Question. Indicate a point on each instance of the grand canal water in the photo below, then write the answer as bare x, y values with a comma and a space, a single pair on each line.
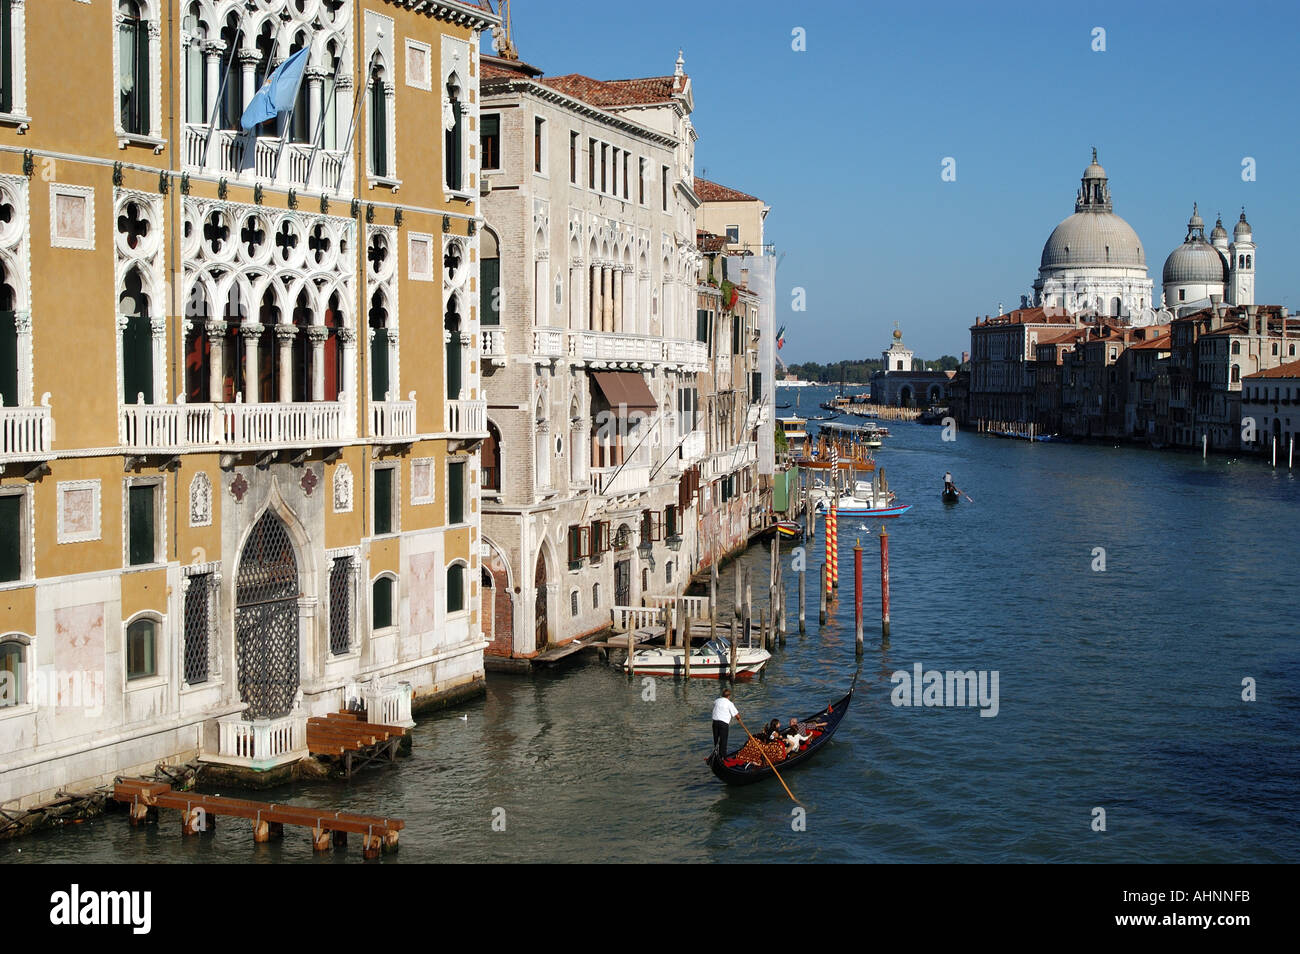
1118, 689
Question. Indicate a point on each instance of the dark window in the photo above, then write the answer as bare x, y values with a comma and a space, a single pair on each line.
573, 157
651, 526
625, 169
670, 520
381, 603
383, 520
455, 588
664, 177
142, 518
11, 536
6, 58
13, 690
379, 127
137, 342
591, 163
640, 187
701, 325
755, 386
538, 127
733, 234
454, 143
737, 334
198, 606
595, 596
140, 643
133, 79
604, 167
490, 136
573, 603
456, 493
489, 307
340, 605
578, 540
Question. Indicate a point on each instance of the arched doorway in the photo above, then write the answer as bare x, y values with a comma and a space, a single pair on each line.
540, 626
266, 621
905, 396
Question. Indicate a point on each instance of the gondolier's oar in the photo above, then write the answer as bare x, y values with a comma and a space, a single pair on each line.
763, 752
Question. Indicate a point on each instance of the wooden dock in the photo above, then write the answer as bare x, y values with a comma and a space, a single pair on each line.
344, 736
199, 813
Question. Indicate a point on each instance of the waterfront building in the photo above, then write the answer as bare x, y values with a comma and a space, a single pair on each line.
735, 216
591, 349
899, 384
1271, 400
1143, 409
1003, 352
240, 387
1093, 260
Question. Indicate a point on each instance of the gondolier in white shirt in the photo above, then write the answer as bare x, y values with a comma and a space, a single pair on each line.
724, 710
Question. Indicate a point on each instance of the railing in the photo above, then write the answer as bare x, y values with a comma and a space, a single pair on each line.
629, 618
466, 417
171, 427
392, 419
628, 479
548, 342
264, 743
697, 607
616, 346
25, 430
390, 705
302, 165
732, 460
492, 343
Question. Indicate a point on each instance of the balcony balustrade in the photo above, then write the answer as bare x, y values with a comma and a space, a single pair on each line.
261, 744
170, 428
627, 479
638, 349
25, 432
466, 418
392, 420
295, 165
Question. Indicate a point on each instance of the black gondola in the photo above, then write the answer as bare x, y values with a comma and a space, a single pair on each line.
746, 773
951, 496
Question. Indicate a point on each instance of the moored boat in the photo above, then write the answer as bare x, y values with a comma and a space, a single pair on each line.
710, 661
790, 529
951, 496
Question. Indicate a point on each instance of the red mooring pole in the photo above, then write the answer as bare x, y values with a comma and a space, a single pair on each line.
857, 596
884, 584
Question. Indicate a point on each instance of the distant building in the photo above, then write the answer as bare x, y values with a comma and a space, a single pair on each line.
1271, 401
897, 384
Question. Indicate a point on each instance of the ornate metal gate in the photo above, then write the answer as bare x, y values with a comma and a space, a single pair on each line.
266, 621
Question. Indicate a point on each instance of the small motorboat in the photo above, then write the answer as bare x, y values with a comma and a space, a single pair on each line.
789, 529
710, 661
858, 509
735, 772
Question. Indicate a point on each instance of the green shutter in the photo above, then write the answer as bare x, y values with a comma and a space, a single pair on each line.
455, 493
378, 129
11, 536
137, 359
381, 604
141, 518
141, 91
8, 360
489, 312
6, 59
455, 588
379, 364
383, 502
453, 147
453, 367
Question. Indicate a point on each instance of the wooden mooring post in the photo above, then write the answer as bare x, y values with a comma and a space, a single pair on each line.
825, 591
884, 584
857, 597
686, 643
803, 622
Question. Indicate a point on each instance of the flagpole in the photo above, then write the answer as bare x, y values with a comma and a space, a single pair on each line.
288, 123
219, 105
352, 128
317, 141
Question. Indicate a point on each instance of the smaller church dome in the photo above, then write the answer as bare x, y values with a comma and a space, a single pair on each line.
1195, 262
1242, 227
1219, 234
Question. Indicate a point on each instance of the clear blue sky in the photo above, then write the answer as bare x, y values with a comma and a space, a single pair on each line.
845, 140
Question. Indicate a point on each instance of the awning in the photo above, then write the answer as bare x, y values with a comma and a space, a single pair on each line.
626, 389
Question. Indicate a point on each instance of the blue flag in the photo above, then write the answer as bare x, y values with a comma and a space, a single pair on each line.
277, 93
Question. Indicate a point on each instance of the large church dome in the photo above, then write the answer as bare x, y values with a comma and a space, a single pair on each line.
1093, 238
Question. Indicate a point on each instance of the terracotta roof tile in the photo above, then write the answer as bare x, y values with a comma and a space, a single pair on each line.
1291, 370
605, 93
712, 192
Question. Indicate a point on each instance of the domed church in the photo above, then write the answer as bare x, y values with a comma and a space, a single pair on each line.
1198, 268
1093, 261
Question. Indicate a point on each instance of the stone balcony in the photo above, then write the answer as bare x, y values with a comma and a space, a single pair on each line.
731, 460
174, 428
261, 744
265, 159
393, 420
492, 346
616, 481
466, 418
548, 343
25, 433
602, 348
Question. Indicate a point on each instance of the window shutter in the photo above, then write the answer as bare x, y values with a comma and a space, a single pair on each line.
11, 562
6, 59
140, 506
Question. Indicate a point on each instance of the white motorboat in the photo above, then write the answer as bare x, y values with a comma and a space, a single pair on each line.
709, 661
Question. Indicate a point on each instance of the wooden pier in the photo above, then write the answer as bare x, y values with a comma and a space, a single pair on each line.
343, 735
199, 812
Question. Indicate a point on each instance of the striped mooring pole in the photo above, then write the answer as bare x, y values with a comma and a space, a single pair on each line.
832, 550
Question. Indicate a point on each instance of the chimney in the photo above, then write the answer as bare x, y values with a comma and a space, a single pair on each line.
1254, 324
1284, 314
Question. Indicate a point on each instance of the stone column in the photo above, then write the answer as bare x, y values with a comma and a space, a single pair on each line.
347, 338
212, 71
317, 334
248, 60
284, 335
158, 329
594, 322
216, 332
315, 87
251, 332
606, 298
616, 323
23, 327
